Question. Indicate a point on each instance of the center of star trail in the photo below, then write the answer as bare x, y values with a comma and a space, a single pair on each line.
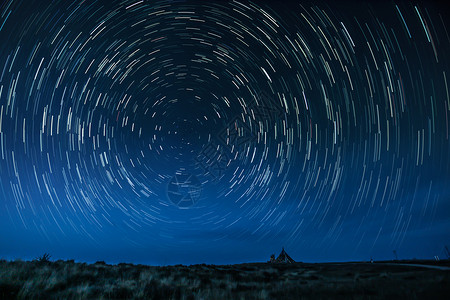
173, 124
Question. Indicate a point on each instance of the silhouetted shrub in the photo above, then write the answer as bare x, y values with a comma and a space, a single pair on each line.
43, 258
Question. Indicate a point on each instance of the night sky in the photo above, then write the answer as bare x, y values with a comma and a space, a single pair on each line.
165, 132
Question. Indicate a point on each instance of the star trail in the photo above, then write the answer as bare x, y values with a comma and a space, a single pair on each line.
196, 131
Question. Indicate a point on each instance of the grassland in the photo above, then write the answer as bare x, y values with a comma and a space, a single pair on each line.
70, 280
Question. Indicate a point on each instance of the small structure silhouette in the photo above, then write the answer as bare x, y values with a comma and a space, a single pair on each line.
282, 258
395, 255
272, 258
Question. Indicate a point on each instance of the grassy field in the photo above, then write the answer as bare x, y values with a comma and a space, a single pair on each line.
70, 280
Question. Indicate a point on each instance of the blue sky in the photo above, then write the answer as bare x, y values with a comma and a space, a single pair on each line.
321, 128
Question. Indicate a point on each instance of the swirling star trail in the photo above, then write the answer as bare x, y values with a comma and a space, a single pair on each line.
197, 131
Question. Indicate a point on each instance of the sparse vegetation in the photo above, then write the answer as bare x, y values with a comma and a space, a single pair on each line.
70, 280
43, 258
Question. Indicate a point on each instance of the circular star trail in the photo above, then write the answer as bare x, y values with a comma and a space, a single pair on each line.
168, 122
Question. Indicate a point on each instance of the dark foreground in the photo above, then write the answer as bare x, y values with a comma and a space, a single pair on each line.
69, 280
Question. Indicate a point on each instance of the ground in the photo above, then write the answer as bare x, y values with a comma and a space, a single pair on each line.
359, 280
